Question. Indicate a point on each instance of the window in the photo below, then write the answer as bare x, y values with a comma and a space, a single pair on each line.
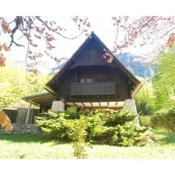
87, 79
94, 76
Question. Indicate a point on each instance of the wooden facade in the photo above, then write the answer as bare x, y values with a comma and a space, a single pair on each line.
89, 77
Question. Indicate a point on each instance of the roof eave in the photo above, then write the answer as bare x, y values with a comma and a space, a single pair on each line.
136, 90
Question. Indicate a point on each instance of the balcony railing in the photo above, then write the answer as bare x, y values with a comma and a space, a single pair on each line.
97, 88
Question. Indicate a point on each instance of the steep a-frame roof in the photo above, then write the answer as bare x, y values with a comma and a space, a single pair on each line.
73, 59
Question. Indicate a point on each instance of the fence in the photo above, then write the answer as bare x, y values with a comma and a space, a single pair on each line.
20, 115
12, 113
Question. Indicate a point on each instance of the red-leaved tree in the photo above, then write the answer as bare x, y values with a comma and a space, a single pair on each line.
130, 31
33, 30
145, 30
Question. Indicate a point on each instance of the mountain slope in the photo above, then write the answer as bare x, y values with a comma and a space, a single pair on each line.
137, 65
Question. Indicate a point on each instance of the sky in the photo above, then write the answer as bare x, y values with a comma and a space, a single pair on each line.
101, 25
99, 15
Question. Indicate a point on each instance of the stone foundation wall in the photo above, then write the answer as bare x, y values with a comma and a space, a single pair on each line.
130, 106
25, 128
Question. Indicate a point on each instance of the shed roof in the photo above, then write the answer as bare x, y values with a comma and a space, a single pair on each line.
40, 99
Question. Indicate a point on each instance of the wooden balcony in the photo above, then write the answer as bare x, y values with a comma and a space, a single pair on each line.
97, 88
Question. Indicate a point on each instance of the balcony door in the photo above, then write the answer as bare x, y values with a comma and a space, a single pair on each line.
93, 76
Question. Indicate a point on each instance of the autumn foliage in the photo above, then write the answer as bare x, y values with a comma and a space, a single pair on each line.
142, 30
171, 40
5, 122
5, 26
2, 60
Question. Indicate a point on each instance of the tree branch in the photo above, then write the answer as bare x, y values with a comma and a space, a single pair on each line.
168, 32
17, 21
49, 28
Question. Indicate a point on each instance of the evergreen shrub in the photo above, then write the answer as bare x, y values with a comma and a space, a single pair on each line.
102, 126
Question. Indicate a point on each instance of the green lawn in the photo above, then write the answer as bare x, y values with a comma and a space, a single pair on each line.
27, 146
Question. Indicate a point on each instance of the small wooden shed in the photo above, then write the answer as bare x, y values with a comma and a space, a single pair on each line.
92, 77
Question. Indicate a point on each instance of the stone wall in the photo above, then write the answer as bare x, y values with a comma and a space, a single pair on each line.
130, 106
25, 128
58, 106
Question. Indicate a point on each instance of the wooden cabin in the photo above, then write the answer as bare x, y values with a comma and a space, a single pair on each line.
93, 75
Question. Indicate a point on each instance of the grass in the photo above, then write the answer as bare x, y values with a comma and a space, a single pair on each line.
28, 146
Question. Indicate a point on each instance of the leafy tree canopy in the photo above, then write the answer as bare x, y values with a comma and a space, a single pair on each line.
164, 80
14, 85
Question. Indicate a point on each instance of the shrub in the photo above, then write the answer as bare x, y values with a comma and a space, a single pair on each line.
72, 111
145, 121
100, 126
144, 107
78, 135
145, 99
57, 125
164, 119
114, 128
119, 118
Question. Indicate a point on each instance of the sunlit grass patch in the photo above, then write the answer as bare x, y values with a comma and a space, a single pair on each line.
27, 146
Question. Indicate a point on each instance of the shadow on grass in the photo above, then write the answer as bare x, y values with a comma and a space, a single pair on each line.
164, 137
27, 138
168, 139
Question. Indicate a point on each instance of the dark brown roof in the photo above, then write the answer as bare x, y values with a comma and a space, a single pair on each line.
74, 56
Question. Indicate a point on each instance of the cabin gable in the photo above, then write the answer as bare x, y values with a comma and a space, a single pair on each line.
87, 76
91, 55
